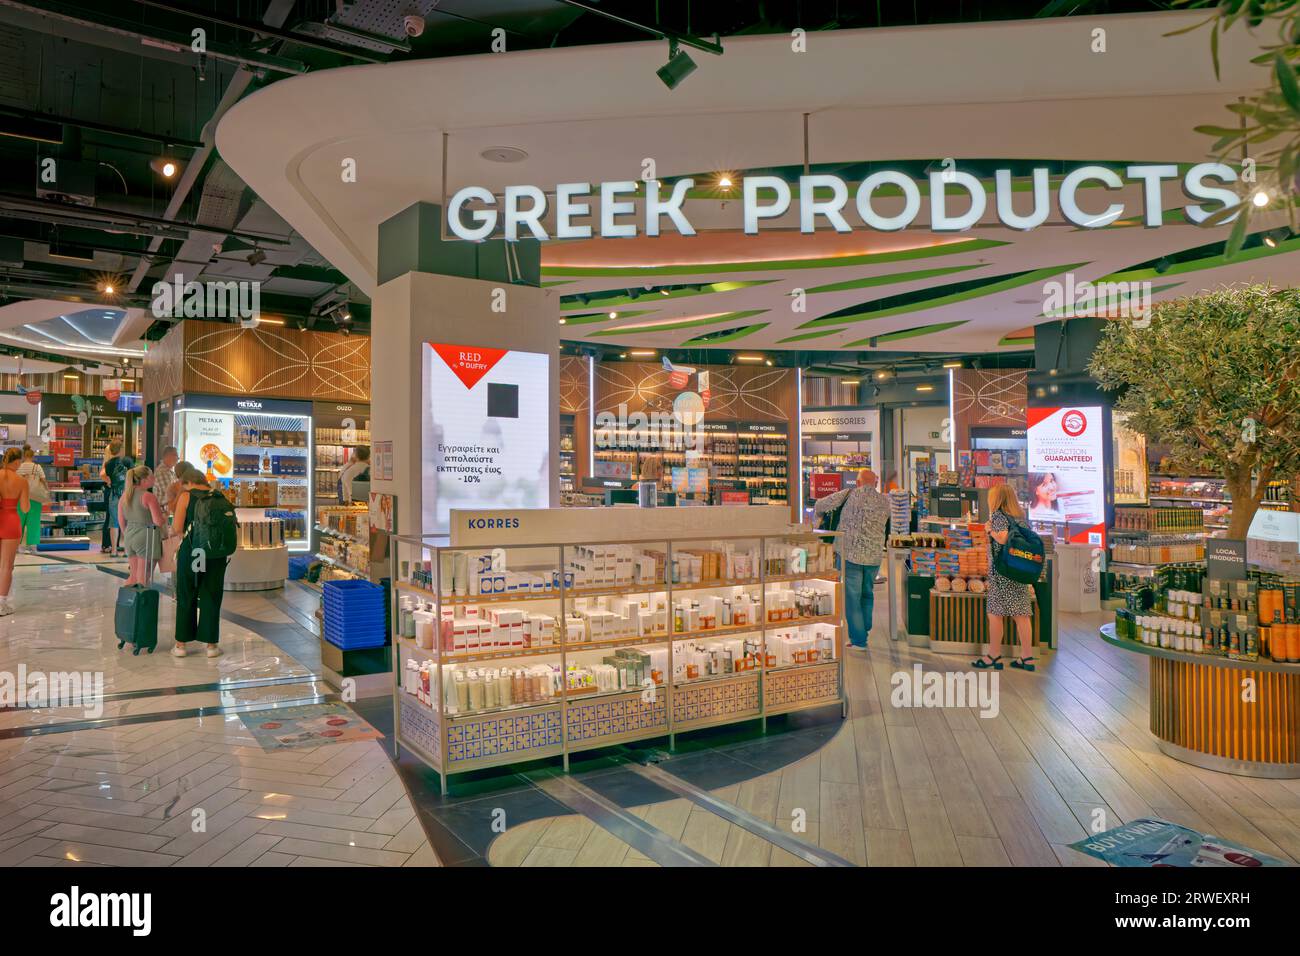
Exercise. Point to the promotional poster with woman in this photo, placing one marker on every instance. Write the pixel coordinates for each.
(1066, 458)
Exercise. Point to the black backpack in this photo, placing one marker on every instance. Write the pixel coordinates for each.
(214, 528)
(1022, 558)
(830, 520)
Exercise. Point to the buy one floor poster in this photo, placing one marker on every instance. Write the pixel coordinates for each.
(485, 431)
(1154, 842)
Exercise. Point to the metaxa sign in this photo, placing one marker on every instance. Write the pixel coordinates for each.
(825, 199)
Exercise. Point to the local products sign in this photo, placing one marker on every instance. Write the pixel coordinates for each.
(1067, 470)
(957, 201)
(485, 431)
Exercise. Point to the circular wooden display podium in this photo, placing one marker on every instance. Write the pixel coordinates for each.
(1239, 717)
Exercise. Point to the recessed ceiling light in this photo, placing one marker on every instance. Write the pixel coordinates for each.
(613, 315)
(504, 154)
(1260, 198)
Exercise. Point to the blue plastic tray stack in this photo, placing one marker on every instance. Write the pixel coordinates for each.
(354, 614)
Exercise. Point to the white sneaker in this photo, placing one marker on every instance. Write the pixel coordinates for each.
(178, 650)
(5, 607)
(213, 651)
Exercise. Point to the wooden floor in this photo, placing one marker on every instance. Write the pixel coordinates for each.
(1068, 754)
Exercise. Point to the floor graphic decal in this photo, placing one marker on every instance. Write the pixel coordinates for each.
(1155, 842)
(307, 726)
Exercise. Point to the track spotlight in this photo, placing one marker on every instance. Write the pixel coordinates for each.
(678, 67)
(256, 257)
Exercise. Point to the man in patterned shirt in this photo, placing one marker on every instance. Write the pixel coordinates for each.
(164, 475)
(860, 545)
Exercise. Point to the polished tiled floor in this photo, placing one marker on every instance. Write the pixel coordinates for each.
(166, 774)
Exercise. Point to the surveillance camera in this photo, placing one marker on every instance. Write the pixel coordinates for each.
(413, 24)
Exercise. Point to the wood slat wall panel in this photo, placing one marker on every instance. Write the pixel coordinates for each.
(268, 361)
(1200, 707)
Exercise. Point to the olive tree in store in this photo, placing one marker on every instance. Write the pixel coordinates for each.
(1217, 377)
(1266, 125)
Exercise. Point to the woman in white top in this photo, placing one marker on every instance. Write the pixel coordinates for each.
(39, 489)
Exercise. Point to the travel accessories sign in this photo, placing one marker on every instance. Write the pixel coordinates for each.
(475, 214)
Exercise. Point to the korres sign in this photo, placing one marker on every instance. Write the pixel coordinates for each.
(609, 210)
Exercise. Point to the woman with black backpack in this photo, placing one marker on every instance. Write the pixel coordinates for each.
(206, 521)
(1006, 597)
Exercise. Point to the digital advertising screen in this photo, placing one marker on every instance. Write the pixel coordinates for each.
(485, 431)
(209, 443)
(1067, 470)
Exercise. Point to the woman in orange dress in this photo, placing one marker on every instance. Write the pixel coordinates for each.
(15, 497)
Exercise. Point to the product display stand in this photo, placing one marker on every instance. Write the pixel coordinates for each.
(261, 562)
(1199, 714)
(680, 668)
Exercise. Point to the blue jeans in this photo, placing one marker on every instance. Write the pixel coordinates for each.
(859, 600)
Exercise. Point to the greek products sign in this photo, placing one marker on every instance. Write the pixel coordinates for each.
(485, 431)
(1067, 470)
(957, 200)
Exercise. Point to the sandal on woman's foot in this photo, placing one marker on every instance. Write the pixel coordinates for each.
(988, 661)
(1023, 663)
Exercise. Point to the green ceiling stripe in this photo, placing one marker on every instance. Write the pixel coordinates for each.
(1008, 340)
(588, 317)
(738, 334)
(992, 289)
(891, 278)
(572, 302)
(908, 333)
(688, 324)
(810, 335)
(547, 285)
(873, 258)
(1209, 262)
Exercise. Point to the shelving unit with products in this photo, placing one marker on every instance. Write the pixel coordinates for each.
(1210, 495)
(104, 430)
(568, 458)
(13, 431)
(75, 514)
(520, 652)
(343, 541)
(843, 453)
(1000, 456)
(753, 454)
(261, 459)
(335, 448)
